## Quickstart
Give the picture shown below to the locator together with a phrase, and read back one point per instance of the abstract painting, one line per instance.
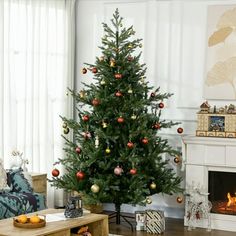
(220, 80)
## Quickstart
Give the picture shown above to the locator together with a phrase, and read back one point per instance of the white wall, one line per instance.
(174, 41)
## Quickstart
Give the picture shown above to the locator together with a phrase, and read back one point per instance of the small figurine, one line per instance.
(74, 207)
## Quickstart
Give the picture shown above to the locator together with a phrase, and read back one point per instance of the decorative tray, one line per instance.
(28, 224)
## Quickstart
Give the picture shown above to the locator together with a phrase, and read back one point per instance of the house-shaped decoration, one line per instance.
(205, 107)
(217, 122)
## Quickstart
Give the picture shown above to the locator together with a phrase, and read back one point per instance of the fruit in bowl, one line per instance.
(22, 219)
(34, 219)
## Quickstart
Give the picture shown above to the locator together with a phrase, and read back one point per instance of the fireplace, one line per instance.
(211, 164)
(222, 192)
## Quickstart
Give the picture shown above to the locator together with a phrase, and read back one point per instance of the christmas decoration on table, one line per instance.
(123, 155)
(155, 221)
(216, 121)
(74, 207)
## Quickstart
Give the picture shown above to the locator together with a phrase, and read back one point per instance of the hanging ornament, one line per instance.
(78, 150)
(153, 95)
(85, 118)
(177, 159)
(82, 94)
(118, 76)
(64, 125)
(130, 91)
(120, 120)
(55, 172)
(144, 141)
(180, 130)
(142, 80)
(161, 105)
(108, 150)
(118, 94)
(66, 130)
(156, 126)
(84, 70)
(96, 142)
(130, 46)
(103, 82)
(95, 102)
(140, 45)
(112, 63)
(179, 199)
(133, 117)
(101, 58)
(80, 175)
(104, 125)
(148, 200)
(130, 58)
(86, 135)
(95, 188)
(133, 171)
(94, 70)
(153, 185)
(118, 170)
(130, 145)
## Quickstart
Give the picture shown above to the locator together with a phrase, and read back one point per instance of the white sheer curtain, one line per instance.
(36, 66)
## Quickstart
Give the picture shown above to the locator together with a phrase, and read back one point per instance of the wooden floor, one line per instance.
(174, 227)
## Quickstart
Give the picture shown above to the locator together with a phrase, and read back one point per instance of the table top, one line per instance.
(8, 229)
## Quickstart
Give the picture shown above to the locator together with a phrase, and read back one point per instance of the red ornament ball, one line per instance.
(133, 171)
(120, 120)
(153, 95)
(85, 118)
(84, 70)
(161, 105)
(179, 199)
(118, 76)
(144, 141)
(55, 172)
(156, 126)
(95, 102)
(94, 70)
(130, 145)
(118, 94)
(180, 130)
(78, 150)
(80, 175)
(118, 170)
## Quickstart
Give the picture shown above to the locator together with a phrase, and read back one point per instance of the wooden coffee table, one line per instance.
(97, 223)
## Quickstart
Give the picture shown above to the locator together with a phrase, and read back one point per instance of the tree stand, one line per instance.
(118, 216)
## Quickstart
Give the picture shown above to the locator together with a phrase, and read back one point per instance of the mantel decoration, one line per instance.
(18, 161)
(216, 122)
(74, 207)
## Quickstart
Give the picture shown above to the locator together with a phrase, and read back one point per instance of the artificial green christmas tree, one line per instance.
(116, 154)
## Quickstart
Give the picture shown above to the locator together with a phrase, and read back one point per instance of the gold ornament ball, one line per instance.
(133, 117)
(177, 159)
(64, 125)
(153, 185)
(95, 188)
(140, 45)
(104, 125)
(103, 82)
(148, 200)
(108, 151)
(66, 130)
(179, 199)
(130, 46)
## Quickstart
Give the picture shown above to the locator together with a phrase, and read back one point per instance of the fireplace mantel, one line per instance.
(203, 154)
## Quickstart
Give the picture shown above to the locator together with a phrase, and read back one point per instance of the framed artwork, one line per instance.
(220, 79)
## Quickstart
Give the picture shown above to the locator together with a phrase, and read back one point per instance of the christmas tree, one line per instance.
(116, 154)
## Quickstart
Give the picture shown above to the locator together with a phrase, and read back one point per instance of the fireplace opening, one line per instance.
(222, 192)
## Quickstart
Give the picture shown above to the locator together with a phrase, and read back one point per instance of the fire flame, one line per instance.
(231, 200)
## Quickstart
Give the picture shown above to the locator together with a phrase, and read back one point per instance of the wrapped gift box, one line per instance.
(155, 221)
(140, 217)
